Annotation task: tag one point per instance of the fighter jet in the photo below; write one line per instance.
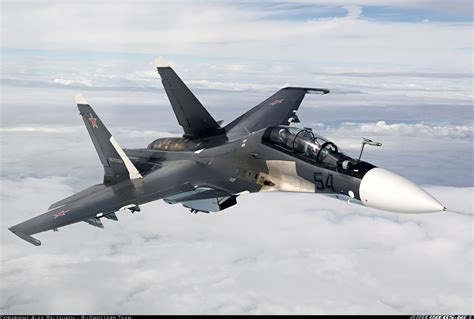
(211, 165)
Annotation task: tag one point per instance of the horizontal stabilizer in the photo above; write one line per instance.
(191, 114)
(117, 166)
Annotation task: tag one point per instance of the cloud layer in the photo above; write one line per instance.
(400, 72)
(291, 32)
(272, 254)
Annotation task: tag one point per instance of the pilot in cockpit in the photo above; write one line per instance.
(304, 143)
(285, 137)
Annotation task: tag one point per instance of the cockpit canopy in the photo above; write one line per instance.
(304, 143)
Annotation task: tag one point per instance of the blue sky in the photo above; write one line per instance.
(400, 72)
(454, 11)
(368, 34)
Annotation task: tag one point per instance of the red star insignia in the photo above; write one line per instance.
(93, 121)
(277, 102)
(60, 214)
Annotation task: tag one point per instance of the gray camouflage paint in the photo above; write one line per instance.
(209, 167)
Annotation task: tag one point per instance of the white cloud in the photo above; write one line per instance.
(232, 30)
(52, 132)
(69, 82)
(39, 129)
(353, 12)
(230, 86)
(381, 128)
(307, 254)
(272, 253)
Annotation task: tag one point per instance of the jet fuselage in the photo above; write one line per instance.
(208, 167)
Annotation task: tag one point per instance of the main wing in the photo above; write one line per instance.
(123, 186)
(90, 208)
(100, 201)
(278, 109)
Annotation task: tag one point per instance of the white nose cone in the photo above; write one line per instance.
(385, 190)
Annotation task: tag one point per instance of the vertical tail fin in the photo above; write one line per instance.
(117, 166)
(191, 114)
